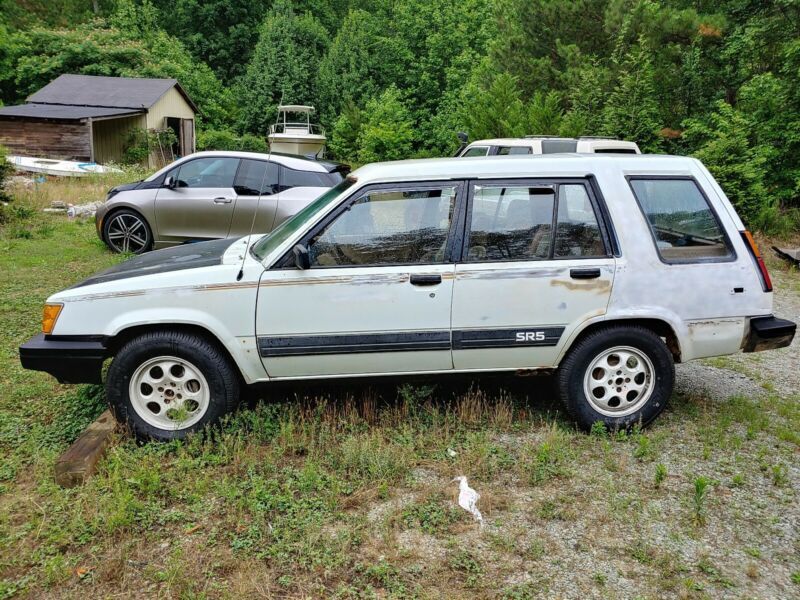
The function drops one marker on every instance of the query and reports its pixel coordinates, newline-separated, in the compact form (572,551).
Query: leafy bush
(6,168)
(225,139)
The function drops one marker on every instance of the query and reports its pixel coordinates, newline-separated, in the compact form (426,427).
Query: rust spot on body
(599,286)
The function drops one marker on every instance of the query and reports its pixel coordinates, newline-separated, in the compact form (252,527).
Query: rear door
(535,263)
(257,191)
(201,205)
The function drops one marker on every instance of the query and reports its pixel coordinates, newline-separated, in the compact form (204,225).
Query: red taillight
(766,282)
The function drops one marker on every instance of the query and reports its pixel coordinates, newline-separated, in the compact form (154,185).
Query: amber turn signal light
(50,316)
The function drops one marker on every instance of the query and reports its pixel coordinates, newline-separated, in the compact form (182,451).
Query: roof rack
(598,137)
(546,137)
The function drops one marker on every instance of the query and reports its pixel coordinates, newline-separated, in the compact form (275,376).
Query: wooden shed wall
(110,136)
(68,141)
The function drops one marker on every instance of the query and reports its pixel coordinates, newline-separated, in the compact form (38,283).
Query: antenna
(258,203)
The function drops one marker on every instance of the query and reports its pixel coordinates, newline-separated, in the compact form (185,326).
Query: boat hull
(59,168)
(297,144)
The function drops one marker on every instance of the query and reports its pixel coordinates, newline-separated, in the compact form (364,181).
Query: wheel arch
(660,327)
(122,337)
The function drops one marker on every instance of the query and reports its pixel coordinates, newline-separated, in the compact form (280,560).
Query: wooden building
(89,118)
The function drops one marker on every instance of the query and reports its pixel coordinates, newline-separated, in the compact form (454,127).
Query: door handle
(425,279)
(584,273)
(222,200)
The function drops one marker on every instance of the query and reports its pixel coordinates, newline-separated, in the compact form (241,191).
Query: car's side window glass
(684,227)
(510,223)
(388,227)
(577,230)
(476,151)
(210,172)
(509,150)
(256,176)
(291,178)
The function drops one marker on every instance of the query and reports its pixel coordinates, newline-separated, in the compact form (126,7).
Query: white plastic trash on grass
(468,499)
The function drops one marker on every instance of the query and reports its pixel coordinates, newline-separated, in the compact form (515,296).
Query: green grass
(330,491)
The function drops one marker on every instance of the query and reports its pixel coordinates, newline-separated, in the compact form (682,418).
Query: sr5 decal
(530,336)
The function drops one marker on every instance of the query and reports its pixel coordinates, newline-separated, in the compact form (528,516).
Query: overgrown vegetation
(717,79)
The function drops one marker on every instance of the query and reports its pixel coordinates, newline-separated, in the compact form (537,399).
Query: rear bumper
(768,333)
(70,359)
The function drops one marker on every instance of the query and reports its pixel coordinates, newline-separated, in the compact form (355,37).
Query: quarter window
(212,172)
(291,178)
(256,177)
(509,150)
(388,227)
(683,225)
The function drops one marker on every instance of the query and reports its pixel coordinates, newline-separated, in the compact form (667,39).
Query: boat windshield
(267,244)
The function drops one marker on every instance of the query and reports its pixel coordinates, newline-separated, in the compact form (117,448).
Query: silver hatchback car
(212,195)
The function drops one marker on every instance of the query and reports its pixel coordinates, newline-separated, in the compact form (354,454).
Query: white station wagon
(606,269)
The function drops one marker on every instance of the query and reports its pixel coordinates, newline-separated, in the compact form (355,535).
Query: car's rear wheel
(166,385)
(127,231)
(618,375)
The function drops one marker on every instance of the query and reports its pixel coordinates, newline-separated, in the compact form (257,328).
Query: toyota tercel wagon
(604,269)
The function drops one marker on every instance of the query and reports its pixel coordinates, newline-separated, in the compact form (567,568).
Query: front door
(377,296)
(536,263)
(200,207)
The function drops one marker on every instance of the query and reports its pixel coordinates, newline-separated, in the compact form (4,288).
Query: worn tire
(132,214)
(572,376)
(220,386)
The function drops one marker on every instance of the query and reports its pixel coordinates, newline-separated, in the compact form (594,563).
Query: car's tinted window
(210,172)
(476,151)
(256,176)
(577,231)
(388,227)
(507,150)
(291,178)
(684,227)
(556,146)
(510,223)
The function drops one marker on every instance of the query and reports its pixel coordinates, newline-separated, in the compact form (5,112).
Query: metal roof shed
(85,117)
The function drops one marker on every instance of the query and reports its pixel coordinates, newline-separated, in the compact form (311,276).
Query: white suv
(605,269)
(533,144)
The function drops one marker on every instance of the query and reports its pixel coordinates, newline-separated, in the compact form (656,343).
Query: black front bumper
(70,359)
(768,333)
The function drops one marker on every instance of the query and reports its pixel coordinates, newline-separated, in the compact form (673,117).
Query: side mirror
(170,182)
(301,258)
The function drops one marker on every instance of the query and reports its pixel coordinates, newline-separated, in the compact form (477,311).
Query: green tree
(284,66)
(632,110)
(722,144)
(387,132)
(494,111)
(346,130)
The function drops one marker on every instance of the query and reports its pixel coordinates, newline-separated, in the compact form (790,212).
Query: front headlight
(50,316)
(111,193)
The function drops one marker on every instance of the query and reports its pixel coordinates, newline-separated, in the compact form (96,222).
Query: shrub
(5,170)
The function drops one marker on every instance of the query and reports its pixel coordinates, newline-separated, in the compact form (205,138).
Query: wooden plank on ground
(80,460)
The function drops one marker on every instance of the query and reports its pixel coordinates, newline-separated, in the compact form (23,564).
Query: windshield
(263,247)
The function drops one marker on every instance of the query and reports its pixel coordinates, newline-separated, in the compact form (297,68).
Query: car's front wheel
(618,375)
(165,385)
(127,231)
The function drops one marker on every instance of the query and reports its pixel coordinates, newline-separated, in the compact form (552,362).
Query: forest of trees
(718,79)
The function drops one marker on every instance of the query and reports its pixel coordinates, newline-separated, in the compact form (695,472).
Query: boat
(60,168)
(294,133)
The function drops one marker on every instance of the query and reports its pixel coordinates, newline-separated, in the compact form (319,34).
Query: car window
(211,172)
(510,223)
(388,227)
(476,151)
(683,225)
(508,150)
(291,178)
(256,176)
(556,146)
(577,230)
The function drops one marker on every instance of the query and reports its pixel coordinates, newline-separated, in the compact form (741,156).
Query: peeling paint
(511,274)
